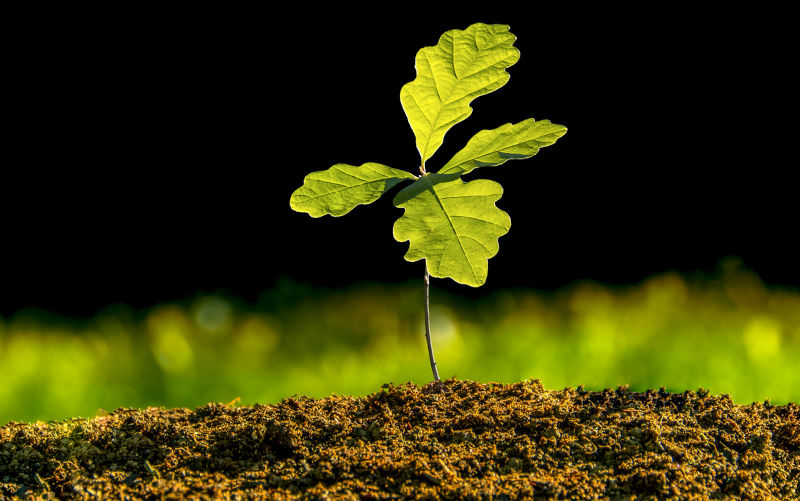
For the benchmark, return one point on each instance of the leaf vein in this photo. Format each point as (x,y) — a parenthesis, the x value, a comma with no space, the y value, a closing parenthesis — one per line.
(482,220)
(455,232)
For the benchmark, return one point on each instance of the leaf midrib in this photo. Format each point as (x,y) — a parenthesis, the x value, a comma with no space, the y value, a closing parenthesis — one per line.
(458,237)
(348,187)
(485,152)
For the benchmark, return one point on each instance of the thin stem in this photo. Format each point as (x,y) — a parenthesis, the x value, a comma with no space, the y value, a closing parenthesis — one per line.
(428,324)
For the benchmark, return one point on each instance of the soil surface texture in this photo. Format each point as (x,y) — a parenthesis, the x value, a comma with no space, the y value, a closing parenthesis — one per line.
(449,440)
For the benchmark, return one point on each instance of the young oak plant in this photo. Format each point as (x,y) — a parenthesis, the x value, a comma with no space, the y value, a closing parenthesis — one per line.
(452,224)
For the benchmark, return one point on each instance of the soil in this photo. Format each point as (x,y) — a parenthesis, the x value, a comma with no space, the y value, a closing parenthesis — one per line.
(450,440)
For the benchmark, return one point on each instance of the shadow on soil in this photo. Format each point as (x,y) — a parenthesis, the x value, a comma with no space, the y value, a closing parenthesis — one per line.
(455,439)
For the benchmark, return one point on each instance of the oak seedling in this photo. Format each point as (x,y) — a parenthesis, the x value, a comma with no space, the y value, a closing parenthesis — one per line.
(453,225)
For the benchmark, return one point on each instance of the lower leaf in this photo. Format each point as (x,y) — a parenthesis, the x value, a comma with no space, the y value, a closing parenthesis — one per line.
(453,225)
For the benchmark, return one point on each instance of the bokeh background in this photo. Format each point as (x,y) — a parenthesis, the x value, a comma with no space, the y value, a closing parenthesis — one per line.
(149,255)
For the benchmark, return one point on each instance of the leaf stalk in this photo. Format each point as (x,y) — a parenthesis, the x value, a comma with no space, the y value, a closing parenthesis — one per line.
(428,325)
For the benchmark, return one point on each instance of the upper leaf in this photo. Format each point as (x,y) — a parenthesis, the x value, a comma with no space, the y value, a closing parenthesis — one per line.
(341,188)
(462,66)
(452,224)
(507,142)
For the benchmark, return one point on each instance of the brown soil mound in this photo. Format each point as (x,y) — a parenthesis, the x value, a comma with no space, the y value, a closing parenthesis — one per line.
(455,440)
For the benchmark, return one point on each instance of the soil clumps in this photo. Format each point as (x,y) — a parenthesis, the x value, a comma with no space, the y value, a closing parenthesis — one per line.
(449,440)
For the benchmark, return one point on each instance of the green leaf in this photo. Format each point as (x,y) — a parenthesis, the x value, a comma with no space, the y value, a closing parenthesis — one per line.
(507,142)
(341,188)
(462,66)
(452,224)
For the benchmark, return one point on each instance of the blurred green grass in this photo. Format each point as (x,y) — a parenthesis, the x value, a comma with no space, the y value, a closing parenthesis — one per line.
(726,332)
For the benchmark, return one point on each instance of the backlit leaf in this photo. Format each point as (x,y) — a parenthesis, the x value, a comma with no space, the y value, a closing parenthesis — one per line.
(341,188)
(453,225)
(464,64)
(507,142)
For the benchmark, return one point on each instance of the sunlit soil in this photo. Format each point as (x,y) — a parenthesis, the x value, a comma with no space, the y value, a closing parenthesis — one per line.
(453,440)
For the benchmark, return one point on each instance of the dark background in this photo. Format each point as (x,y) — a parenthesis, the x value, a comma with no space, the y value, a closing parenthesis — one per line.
(149,152)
